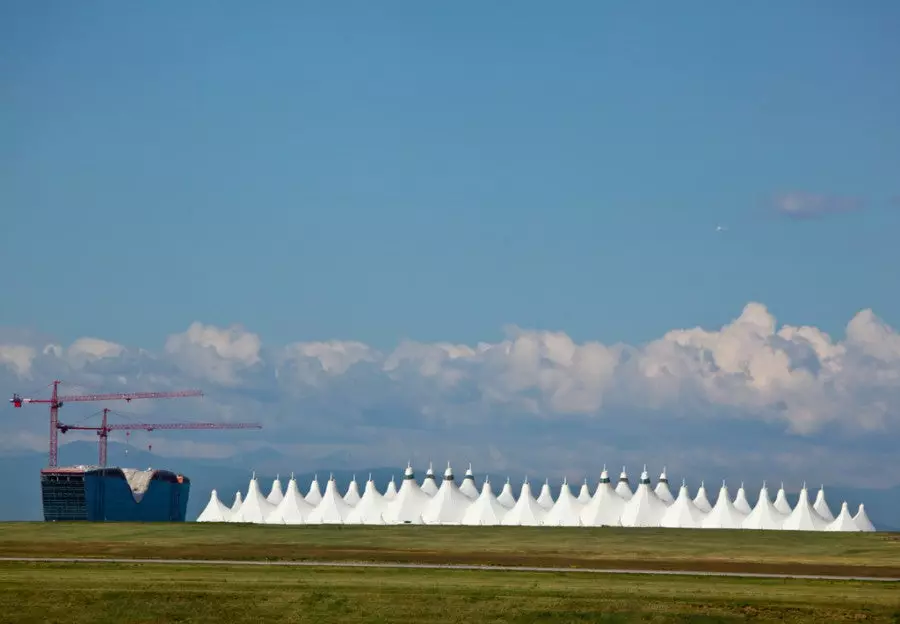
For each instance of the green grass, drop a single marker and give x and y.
(122, 594)
(869, 554)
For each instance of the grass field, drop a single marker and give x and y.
(123, 594)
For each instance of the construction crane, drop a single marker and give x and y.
(56, 401)
(104, 429)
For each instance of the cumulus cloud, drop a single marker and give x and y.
(800, 205)
(534, 396)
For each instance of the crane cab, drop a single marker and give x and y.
(16, 400)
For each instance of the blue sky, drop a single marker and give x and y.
(353, 172)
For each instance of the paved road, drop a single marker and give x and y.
(438, 566)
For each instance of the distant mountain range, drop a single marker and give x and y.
(20, 494)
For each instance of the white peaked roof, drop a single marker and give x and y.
(623, 488)
(605, 508)
(764, 515)
(682, 513)
(862, 520)
(662, 490)
(545, 498)
(429, 485)
(843, 522)
(485, 510)
(644, 509)
(332, 509)
(408, 505)
(236, 505)
(352, 496)
(275, 494)
(804, 517)
(370, 507)
(566, 511)
(723, 515)
(506, 497)
(390, 492)
(821, 506)
(468, 486)
(215, 511)
(449, 505)
(781, 502)
(701, 501)
(314, 496)
(293, 508)
(526, 511)
(740, 501)
(584, 494)
(255, 507)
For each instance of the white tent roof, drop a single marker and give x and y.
(723, 515)
(429, 485)
(236, 505)
(506, 497)
(449, 504)
(682, 513)
(764, 515)
(605, 508)
(644, 509)
(526, 511)
(332, 509)
(740, 501)
(584, 494)
(468, 486)
(862, 520)
(662, 490)
(843, 522)
(215, 510)
(566, 511)
(486, 510)
(410, 502)
(701, 501)
(370, 508)
(352, 496)
(781, 502)
(821, 506)
(314, 495)
(255, 507)
(390, 492)
(623, 488)
(275, 494)
(293, 508)
(804, 517)
(545, 498)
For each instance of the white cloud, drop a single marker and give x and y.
(18, 358)
(216, 354)
(801, 205)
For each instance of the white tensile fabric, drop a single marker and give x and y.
(644, 509)
(781, 502)
(605, 508)
(526, 511)
(723, 515)
(623, 488)
(584, 494)
(740, 501)
(215, 510)
(506, 497)
(566, 511)
(293, 508)
(370, 508)
(545, 498)
(843, 522)
(682, 513)
(449, 505)
(821, 506)
(804, 517)
(352, 496)
(236, 505)
(390, 492)
(862, 520)
(764, 515)
(468, 486)
(255, 507)
(314, 495)
(275, 494)
(486, 510)
(701, 500)
(332, 509)
(662, 490)
(429, 485)
(410, 502)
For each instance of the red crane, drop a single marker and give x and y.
(104, 429)
(56, 401)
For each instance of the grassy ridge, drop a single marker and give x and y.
(869, 554)
(120, 594)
